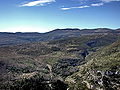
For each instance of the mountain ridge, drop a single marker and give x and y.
(8, 38)
(65, 29)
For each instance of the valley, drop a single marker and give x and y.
(63, 59)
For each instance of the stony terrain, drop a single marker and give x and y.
(77, 60)
(101, 72)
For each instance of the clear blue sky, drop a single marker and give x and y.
(46, 15)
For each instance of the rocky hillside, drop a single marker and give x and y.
(101, 72)
(57, 64)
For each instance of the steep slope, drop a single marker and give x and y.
(101, 72)
(47, 63)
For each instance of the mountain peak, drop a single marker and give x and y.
(67, 29)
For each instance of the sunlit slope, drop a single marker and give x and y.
(100, 72)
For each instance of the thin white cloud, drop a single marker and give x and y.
(97, 4)
(75, 7)
(109, 0)
(83, 6)
(65, 8)
(102, 2)
(36, 3)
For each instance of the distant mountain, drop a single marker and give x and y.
(20, 38)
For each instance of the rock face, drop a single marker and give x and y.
(99, 80)
(96, 80)
(101, 72)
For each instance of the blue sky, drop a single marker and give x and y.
(46, 15)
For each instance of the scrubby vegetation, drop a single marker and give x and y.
(102, 71)
(90, 61)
